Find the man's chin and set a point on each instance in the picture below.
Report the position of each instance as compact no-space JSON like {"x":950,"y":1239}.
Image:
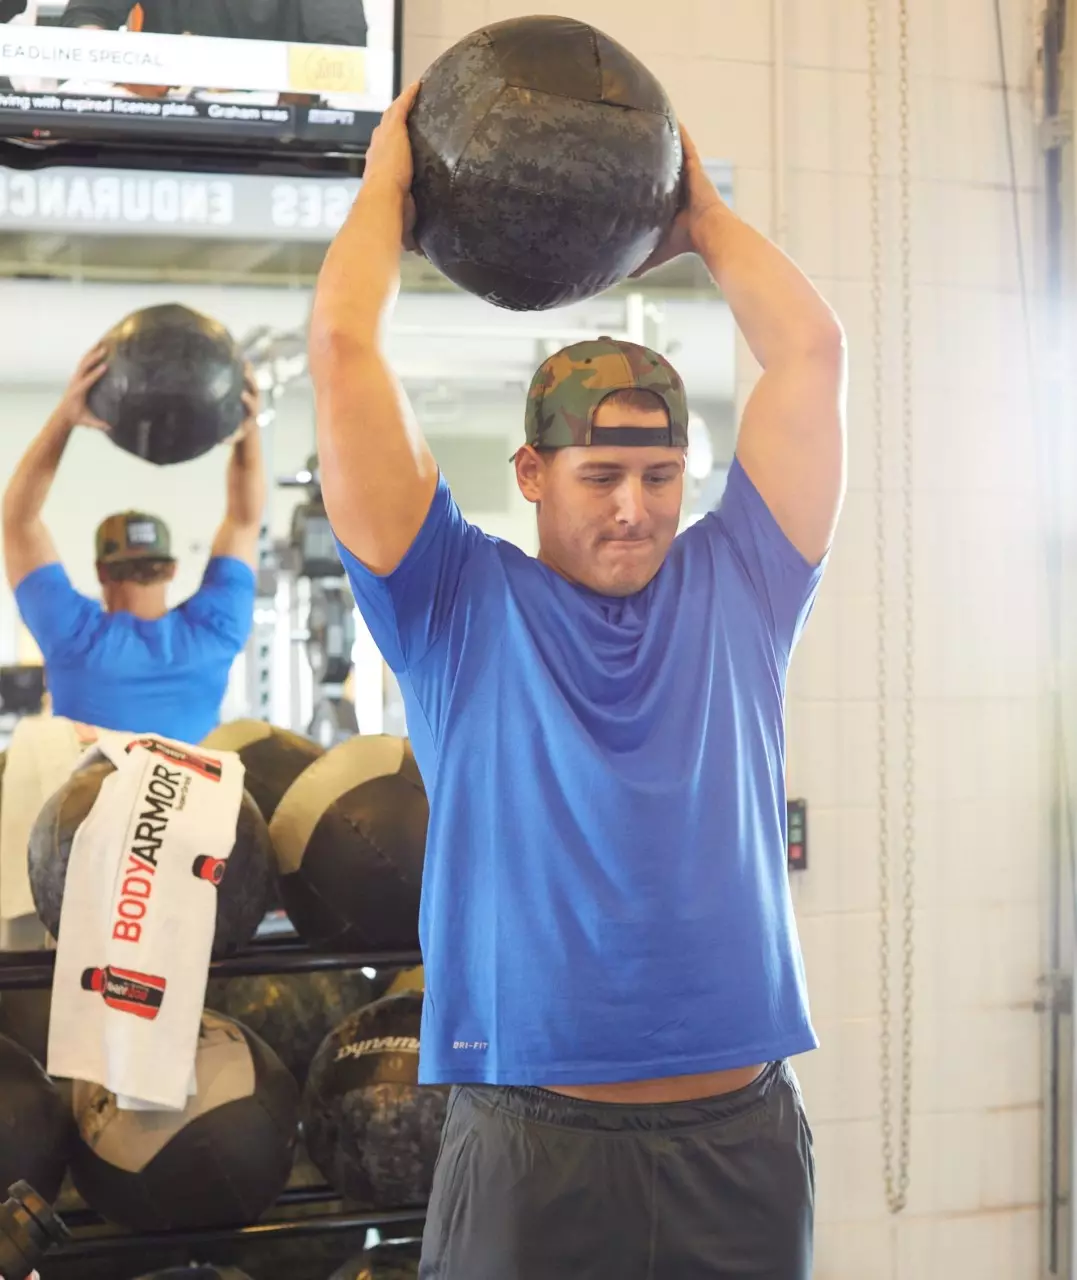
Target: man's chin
{"x":624,"y":583}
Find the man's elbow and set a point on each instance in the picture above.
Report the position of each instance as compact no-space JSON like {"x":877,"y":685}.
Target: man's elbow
{"x":12,"y":519}
{"x":335,"y":346}
{"x":825,"y":341}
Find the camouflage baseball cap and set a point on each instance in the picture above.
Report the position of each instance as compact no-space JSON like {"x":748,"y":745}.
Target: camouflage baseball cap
{"x":132,"y":535}
{"x":569,"y":387}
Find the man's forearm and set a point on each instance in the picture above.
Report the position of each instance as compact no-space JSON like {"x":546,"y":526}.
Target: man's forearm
{"x":29,"y":487}
{"x":361,"y":273}
{"x":775,"y":305}
{"x":247,"y":480}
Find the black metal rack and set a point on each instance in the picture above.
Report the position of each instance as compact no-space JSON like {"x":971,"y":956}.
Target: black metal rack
{"x":27,"y":970}
{"x":93,"y":1238}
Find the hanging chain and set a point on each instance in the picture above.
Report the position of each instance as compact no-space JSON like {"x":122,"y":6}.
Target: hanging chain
{"x":896,"y":1180}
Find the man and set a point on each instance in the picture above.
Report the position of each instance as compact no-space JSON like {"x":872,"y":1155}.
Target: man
{"x":303,"y":21}
{"x":613,"y":977}
{"x":132,"y":663}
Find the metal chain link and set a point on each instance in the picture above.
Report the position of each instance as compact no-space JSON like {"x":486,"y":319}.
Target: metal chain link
{"x":896,"y":1180}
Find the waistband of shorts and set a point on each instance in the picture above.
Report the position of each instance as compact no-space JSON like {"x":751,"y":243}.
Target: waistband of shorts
{"x":542,"y":1106}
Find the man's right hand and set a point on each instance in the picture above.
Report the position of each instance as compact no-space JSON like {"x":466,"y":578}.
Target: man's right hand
{"x":389,"y":159}
{"x":73,"y":411}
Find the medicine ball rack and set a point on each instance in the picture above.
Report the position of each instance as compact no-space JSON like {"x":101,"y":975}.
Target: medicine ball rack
{"x":33,"y":970}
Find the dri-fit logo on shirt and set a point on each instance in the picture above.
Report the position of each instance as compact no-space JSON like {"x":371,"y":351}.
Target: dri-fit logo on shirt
{"x":471,"y":1044}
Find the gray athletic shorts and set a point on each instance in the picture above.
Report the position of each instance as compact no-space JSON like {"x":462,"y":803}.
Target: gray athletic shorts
{"x":530,"y":1185}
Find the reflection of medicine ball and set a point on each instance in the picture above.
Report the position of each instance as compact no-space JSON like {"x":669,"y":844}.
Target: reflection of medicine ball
{"x":293,"y":1013}
{"x":197,"y":1273}
{"x":349,"y":839}
{"x":393,"y":1260}
{"x":369,"y":1126}
{"x":241,"y":898}
{"x":35,"y":1125}
{"x":272,"y":757}
{"x":24,"y":1018}
{"x":547,"y":163}
{"x":221,"y":1161}
{"x":173,"y":387}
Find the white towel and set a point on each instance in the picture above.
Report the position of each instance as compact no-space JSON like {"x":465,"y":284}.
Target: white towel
{"x":138,"y":917}
{"x":42,"y":752}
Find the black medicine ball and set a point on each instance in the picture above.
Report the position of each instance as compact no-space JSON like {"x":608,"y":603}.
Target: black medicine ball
{"x":242,"y":895}
{"x":293,"y":1013}
{"x":393,"y":1260}
{"x":222,"y":1161}
{"x":173,"y":387}
{"x":369,"y":1126}
{"x":272,"y":757}
{"x":36,"y":1131}
{"x":548,"y":163}
{"x":24,"y":1018}
{"x":197,"y":1273}
{"x":349,"y":839}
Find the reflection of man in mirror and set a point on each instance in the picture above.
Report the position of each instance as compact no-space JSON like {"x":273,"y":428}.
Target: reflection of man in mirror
{"x":128,"y":661}
{"x":303,"y":21}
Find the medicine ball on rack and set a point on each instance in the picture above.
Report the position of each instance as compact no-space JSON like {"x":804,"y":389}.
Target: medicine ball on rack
{"x":243,"y":893}
{"x":293,"y":1013}
{"x":197,"y":1273}
{"x":368,"y":1124}
{"x":173,"y":386}
{"x":392,"y":1260}
{"x":35,"y":1124}
{"x":548,"y":163}
{"x":222,"y":1161}
{"x":272,"y":757}
{"x":349,"y":839}
{"x":24,"y":1018}
{"x":393,"y":982}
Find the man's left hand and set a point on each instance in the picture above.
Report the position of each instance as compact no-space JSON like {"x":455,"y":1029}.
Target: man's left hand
{"x":252,"y":402}
{"x":699,"y":199}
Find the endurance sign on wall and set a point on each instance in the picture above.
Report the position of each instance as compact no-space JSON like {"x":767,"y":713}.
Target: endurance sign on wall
{"x":126,"y":202}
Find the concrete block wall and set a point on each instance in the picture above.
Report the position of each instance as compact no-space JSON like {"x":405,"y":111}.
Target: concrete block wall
{"x":975,"y":1200}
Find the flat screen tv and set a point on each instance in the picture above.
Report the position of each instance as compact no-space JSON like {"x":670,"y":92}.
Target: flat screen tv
{"x":237,"y":85}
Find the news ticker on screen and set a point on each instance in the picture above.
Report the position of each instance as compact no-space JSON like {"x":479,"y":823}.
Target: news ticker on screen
{"x":67,"y":114}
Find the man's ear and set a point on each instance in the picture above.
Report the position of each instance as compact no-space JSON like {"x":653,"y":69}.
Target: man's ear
{"x":530,"y":473}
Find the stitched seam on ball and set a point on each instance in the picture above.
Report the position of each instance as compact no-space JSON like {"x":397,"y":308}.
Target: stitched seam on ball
{"x":567,"y":97}
{"x":471,"y":137}
{"x":598,"y":62}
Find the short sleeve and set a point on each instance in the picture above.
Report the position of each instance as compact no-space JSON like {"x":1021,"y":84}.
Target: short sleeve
{"x":224,"y":604}
{"x":406,"y":610}
{"x":784,"y":581}
{"x":58,"y":617}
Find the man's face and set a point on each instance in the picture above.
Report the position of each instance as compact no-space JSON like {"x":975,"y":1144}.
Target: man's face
{"x":607,"y":517}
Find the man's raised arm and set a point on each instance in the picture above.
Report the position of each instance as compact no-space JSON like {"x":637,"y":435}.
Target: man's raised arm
{"x":792,"y":436}
{"x":377,"y":474}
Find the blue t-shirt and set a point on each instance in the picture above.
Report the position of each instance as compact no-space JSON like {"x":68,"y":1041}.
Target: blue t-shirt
{"x":605,"y":895}
{"x":116,"y":671}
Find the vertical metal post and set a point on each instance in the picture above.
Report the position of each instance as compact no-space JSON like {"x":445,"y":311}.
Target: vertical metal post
{"x":261,"y":645}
